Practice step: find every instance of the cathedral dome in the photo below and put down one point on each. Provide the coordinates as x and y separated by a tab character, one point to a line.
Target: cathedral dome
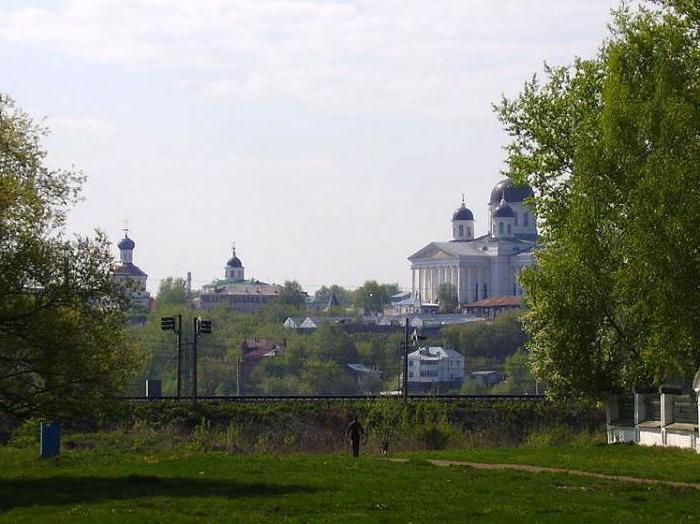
511	193
126	243
503	210
463	213
234	261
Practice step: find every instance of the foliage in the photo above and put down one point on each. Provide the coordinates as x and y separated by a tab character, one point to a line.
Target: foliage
447	298
342	295
372	297
62	342
610	146
172	292
292	294
497	339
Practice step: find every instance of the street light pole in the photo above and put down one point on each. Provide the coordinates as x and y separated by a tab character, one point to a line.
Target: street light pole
179	354
405	361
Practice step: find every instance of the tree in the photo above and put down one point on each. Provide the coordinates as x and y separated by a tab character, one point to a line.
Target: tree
330	342
447	298
494	340
342	295
172	291
371	297
610	146
63	347
292	294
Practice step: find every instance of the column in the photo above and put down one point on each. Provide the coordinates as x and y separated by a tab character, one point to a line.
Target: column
413	281
460	285
469	296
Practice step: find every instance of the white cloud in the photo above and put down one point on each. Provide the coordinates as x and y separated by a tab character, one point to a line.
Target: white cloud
434	58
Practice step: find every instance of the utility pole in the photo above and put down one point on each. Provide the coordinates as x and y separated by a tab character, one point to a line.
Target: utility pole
200	327
238	376
405	361
168	324
179	355
194	358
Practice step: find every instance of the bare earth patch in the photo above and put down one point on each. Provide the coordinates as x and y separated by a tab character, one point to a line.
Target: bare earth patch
542	469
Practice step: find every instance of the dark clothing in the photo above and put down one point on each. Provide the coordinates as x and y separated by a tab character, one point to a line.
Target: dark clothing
356	447
355	431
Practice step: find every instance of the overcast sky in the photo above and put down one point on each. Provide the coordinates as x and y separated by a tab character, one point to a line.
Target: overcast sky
328	139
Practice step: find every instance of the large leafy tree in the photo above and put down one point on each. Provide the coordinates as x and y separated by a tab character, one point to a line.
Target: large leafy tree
611	146
62	343
372	297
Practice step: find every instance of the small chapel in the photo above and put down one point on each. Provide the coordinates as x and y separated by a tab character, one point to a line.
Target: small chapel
485	266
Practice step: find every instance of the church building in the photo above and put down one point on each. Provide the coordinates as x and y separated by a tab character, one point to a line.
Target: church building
133	279
484	266
235	292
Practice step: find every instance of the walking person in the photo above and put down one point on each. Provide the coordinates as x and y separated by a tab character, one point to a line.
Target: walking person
355	431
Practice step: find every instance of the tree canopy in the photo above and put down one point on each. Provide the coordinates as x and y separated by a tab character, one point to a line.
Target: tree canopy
62	343
611	147
372	297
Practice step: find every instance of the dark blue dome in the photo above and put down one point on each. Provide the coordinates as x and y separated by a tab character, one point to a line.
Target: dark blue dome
504	211
511	193
126	243
234	261
463	214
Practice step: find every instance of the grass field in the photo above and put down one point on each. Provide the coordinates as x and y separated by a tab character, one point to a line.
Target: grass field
110	486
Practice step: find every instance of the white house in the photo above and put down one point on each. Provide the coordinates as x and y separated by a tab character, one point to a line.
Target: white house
435	368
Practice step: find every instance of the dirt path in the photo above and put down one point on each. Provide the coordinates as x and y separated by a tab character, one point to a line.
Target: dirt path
544	469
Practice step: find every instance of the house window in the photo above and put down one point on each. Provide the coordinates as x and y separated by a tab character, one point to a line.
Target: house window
410	374
410	362
486	291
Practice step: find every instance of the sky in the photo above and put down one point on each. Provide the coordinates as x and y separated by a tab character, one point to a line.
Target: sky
328	139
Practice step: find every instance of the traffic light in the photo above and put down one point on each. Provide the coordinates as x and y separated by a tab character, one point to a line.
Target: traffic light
167	323
205	327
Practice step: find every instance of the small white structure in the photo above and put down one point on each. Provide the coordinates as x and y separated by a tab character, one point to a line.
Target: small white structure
667	418
435	367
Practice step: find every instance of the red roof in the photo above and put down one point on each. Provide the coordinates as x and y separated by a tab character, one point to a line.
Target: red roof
505	301
261	344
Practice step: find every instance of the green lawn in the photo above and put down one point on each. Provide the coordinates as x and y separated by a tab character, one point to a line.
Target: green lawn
109	486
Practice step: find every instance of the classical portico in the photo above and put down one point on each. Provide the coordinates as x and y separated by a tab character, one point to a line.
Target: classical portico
482	267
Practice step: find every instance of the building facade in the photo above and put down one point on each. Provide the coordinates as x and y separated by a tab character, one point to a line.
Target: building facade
435	367
235	292
484	266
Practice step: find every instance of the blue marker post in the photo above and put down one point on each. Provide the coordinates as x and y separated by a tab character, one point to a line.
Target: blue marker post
50	439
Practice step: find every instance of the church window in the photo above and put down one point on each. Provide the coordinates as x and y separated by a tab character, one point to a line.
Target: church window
461	230
509	229
526	219
516	220
469	231
476	292
486	291
500	228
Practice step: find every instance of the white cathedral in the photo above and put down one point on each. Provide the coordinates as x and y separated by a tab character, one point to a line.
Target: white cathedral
485	266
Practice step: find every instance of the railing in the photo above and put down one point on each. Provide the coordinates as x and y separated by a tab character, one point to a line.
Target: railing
312	398
685	409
